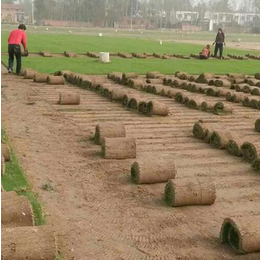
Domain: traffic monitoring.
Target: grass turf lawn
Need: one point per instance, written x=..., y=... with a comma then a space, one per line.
x=93, y=66
x=14, y=180
x=60, y=42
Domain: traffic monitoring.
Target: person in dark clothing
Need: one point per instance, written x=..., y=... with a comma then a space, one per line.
x=15, y=39
x=219, y=43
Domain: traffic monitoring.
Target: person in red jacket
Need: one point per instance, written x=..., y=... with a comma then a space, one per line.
x=15, y=39
x=205, y=53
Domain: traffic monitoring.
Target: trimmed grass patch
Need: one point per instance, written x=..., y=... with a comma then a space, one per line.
x=14, y=180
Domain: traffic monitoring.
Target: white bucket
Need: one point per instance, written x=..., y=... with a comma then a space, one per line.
x=104, y=57
x=161, y=42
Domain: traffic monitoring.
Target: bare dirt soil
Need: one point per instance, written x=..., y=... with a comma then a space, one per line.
x=94, y=208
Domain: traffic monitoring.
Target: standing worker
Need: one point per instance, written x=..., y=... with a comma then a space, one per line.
x=219, y=42
x=16, y=38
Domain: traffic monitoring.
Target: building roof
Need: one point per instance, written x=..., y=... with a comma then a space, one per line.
x=11, y=6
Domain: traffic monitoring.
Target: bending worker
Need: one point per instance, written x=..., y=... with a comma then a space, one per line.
x=16, y=38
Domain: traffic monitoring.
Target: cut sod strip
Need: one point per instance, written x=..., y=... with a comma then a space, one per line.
x=28, y=243
x=109, y=130
x=16, y=211
x=242, y=233
x=190, y=191
x=153, y=169
x=14, y=180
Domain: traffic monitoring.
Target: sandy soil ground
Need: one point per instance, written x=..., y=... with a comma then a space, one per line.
x=94, y=208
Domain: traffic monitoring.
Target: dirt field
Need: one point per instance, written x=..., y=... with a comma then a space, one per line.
x=95, y=209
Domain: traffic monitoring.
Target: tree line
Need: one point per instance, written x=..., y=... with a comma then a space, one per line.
x=110, y=12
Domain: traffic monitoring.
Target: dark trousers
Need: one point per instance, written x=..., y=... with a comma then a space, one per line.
x=15, y=50
x=202, y=57
x=218, y=46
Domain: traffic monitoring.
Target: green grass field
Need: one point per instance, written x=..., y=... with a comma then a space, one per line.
x=58, y=40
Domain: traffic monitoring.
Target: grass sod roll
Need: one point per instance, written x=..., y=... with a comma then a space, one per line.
x=28, y=243
x=135, y=101
x=157, y=108
x=256, y=164
x=153, y=74
x=109, y=130
x=190, y=191
x=69, y=99
x=55, y=80
x=172, y=93
x=199, y=130
x=165, y=90
x=114, y=75
x=157, y=89
x=223, y=92
x=223, y=83
x=219, y=139
x=40, y=78
x=195, y=103
x=179, y=96
x=238, y=97
x=154, y=169
x=257, y=76
x=70, y=54
x=16, y=211
x=135, y=83
x=250, y=151
x=142, y=107
x=117, y=94
x=5, y=152
x=241, y=233
x=253, y=82
x=119, y=148
x=62, y=72
x=154, y=81
x=29, y=74
x=257, y=125
x=212, y=91
x=45, y=54
x=129, y=76
x=22, y=71
x=234, y=146
x=207, y=106
x=255, y=91
x=221, y=108
x=126, y=98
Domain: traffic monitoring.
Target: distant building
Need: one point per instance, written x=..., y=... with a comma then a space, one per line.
x=186, y=16
x=12, y=13
x=217, y=19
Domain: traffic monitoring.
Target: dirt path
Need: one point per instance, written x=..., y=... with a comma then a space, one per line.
x=95, y=209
